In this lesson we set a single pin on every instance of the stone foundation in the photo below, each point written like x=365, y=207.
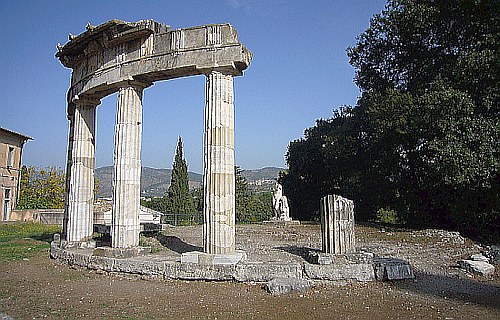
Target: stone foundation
x=213, y=259
x=202, y=266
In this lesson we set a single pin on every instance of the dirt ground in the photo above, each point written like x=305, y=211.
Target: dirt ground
x=43, y=288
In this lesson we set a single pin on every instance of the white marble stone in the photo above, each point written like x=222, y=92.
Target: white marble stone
x=281, y=211
x=477, y=267
x=79, y=208
x=218, y=177
x=125, y=226
x=197, y=257
x=337, y=225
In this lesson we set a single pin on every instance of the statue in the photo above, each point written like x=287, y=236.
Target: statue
x=280, y=204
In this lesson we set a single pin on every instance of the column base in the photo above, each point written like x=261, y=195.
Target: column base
x=203, y=258
x=361, y=257
x=63, y=244
x=59, y=242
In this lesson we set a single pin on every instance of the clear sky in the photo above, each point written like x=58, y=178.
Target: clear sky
x=299, y=73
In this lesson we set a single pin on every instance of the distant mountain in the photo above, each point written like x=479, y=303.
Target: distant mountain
x=155, y=182
x=262, y=180
x=267, y=173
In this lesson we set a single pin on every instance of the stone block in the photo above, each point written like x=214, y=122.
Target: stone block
x=149, y=268
x=477, y=267
x=193, y=271
x=57, y=238
x=360, y=257
x=316, y=257
x=101, y=263
x=338, y=272
x=479, y=257
x=495, y=254
x=387, y=269
x=279, y=286
x=121, y=253
x=80, y=259
x=260, y=271
x=55, y=250
x=78, y=244
x=208, y=259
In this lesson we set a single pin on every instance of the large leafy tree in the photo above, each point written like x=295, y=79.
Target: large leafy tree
x=41, y=188
x=423, y=139
x=430, y=106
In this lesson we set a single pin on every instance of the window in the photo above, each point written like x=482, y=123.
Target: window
x=10, y=157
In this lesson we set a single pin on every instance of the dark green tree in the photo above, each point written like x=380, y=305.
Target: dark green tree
x=242, y=195
x=428, y=71
x=250, y=208
x=423, y=139
x=180, y=200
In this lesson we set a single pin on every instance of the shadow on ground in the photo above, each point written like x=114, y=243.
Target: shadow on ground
x=45, y=237
x=176, y=244
x=468, y=291
x=298, y=251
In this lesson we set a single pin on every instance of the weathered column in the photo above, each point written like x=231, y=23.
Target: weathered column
x=218, y=175
x=79, y=207
x=127, y=167
x=337, y=225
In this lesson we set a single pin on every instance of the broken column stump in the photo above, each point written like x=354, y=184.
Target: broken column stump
x=337, y=225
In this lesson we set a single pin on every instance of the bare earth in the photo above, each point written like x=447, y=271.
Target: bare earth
x=43, y=288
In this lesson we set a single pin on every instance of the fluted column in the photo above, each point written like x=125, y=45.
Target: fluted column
x=79, y=207
x=218, y=176
x=127, y=167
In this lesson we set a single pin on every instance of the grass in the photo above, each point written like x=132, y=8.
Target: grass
x=24, y=240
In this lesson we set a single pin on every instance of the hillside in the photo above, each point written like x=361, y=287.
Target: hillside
x=155, y=182
x=267, y=173
x=261, y=180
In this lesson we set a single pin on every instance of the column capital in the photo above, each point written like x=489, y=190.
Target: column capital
x=85, y=100
x=134, y=83
x=229, y=70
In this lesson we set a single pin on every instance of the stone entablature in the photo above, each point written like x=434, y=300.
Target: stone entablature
x=147, y=51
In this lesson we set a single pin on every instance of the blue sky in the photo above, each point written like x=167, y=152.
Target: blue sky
x=299, y=73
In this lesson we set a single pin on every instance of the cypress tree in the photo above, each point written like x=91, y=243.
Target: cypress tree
x=180, y=200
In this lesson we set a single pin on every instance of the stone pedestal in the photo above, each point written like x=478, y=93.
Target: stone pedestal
x=337, y=225
x=79, y=207
x=218, y=176
x=127, y=167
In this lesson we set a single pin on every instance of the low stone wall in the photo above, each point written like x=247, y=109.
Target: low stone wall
x=44, y=216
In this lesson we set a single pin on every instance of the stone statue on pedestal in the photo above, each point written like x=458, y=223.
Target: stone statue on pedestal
x=280, y=204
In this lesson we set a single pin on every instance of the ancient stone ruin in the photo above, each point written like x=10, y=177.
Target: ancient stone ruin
x=337, y=225
x=128, y=57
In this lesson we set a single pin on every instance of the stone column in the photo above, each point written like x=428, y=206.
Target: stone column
x=337, y=225
x=218, y=176
x=127, y=167
x=79, y=208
